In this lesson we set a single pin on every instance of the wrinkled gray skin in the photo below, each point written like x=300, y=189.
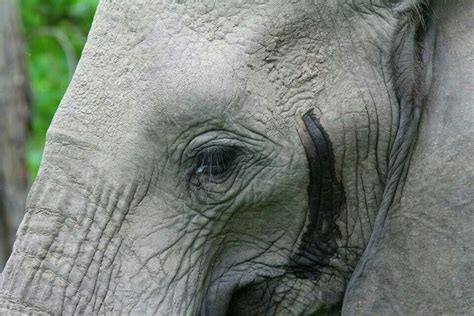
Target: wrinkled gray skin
x=123, y=217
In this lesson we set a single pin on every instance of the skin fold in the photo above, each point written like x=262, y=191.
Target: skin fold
x=222, y=158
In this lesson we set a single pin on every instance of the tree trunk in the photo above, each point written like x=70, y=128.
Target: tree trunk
x=14, y=122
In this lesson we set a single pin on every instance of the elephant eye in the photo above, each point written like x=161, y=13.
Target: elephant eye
x=215, y=161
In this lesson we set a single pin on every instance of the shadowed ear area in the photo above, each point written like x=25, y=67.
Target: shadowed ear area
x=325, y=198
x=420, y=256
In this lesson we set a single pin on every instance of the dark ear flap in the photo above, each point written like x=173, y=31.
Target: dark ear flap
x=420, y=259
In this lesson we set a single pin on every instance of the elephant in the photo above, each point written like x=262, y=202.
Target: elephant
x=261, y=157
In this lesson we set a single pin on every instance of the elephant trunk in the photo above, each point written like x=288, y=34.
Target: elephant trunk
x=67, y=242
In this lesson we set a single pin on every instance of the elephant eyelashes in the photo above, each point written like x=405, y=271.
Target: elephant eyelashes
x=214, y=163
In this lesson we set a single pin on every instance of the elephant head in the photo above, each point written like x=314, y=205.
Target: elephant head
x=257, y=157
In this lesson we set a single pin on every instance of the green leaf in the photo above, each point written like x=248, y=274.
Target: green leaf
x=55, y=33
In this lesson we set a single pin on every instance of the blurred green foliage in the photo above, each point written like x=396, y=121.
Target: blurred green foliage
x=55, y=32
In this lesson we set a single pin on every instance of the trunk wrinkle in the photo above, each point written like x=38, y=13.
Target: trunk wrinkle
x=70, y=242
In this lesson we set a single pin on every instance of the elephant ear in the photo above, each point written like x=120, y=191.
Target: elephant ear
x=420, y=259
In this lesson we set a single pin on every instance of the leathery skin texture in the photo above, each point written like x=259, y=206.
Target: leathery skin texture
x=214, y=158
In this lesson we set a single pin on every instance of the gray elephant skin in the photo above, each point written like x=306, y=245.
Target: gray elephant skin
x=258, y=158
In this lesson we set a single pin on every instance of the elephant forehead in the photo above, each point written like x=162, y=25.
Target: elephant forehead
x=180, y=63
x=211, y=16
x=199, y=77
x=181, y=60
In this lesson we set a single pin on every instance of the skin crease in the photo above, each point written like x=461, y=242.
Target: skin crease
x=156, y=84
